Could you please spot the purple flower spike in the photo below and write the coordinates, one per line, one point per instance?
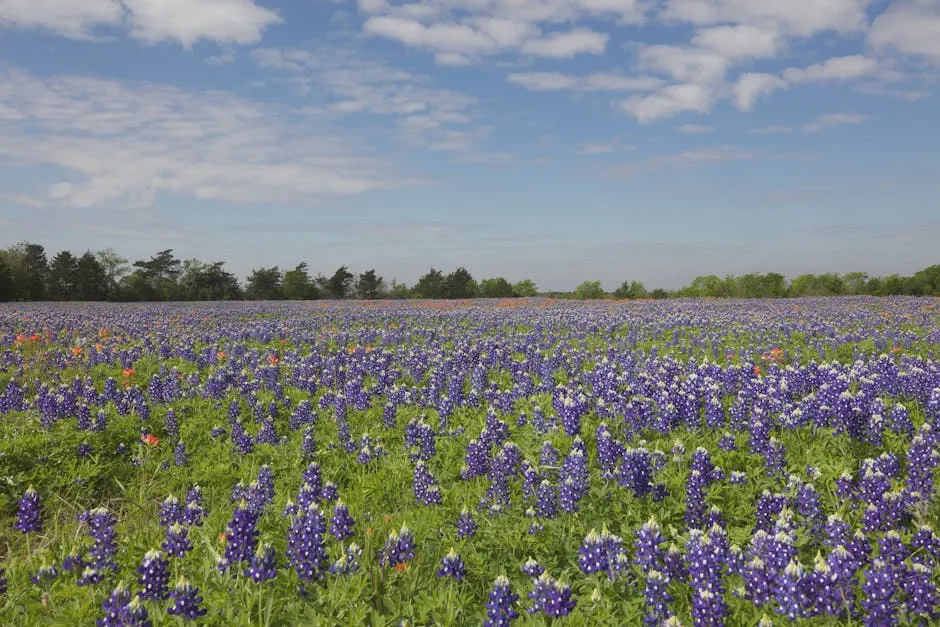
(186, 600)
(499, 609)
(29, 515)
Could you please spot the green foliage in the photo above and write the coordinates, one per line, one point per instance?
(495, 288)
(370, 285)
(631, 289)
(297, 284)
(431, 285)
(460, 284)
(525, 288)
(264, 284)
(590, 290)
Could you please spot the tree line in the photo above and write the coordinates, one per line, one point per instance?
(26, 274)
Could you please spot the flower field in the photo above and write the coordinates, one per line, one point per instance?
(524, 462)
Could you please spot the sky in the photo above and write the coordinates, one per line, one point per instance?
(556, 140)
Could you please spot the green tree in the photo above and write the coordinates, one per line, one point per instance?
(855, 283)
(630, 289)
(62, 276)
(710, 285)
(201, 281)
(91, 279)
(431, 285)
(115, 267)
(399, 291)
(161, 273)
(926, 282)
(495, 288)
(525, 288)
(7, 287)
(370, 285)
(30, 270)
(460, 284)
(340, 284)
(297, 284)
(590, 290)
(264, 284)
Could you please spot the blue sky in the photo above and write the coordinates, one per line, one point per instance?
(558, 140)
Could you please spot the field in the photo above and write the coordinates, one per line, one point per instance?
(686, 462)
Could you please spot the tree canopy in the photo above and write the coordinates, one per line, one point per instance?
(27, 274)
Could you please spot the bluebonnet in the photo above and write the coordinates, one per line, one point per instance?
(341, 524)
(466, 526)
(241, 536)
(177, 543)
(45, 573)
(186, 601)
(657, 599)
(194, 512)
(551, 597)
(878, 594)
(546, 504)
(499, 608)
(398, 548)
(426, 490)
(121, 610)
(100, 522)
(154, 576)
(263, 564)
(532, 568)
(171, 512)
(348, 562)
(306, 546)
(792, 591)
(180, 458)
(29, 514)
(452, 566)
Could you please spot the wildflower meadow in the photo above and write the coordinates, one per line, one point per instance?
(524, 462)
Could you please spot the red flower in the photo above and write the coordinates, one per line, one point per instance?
(149, 439)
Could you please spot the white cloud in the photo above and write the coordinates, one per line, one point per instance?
(770, 130)
(695, 129)
(740, 42)
(687, 158)
(151, 21)
(486, 27)
(551, 81)
(829, 120)
(753, 85)
(444, 37)
(122, 144)
(798, 18)
(911, 27)
(595, 149)
(835, 69)
(543, 81)
(684, 63)
(600, 148)
(669, 102)
(424, 116)
(567, 44)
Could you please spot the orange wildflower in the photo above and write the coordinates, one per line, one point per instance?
(149, 439)
(222, 538)
(274, 360)
(76, 350)
(220, 355)
(401, 567)
(128, 372)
